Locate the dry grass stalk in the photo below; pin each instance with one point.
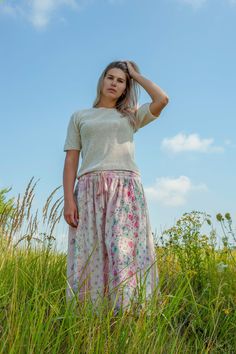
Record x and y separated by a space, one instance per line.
21 216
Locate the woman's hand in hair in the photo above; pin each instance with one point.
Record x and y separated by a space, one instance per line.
131 69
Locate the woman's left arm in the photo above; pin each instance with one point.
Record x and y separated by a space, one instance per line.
159 97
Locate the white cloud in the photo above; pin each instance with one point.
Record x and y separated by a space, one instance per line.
38 12
42 10
191 142
172 191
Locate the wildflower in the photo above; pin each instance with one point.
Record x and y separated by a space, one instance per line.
192 273
226 311
221 266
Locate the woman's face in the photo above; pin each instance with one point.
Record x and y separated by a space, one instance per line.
114 83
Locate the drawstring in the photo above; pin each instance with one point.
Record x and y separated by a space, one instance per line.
102 186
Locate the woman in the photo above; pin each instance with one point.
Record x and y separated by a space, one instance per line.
110 243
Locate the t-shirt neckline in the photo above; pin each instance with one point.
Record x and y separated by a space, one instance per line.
103 108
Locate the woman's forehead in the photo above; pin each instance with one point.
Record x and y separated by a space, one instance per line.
118 73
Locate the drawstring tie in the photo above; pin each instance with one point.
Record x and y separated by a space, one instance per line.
102 186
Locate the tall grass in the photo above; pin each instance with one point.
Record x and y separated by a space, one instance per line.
193 312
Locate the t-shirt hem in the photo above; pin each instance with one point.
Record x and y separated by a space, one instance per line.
79 174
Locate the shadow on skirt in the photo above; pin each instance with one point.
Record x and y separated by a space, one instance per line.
111 252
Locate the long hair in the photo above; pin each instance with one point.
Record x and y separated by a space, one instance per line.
127 103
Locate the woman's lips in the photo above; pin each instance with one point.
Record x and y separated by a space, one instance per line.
112 90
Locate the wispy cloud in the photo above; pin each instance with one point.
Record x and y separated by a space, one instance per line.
38 12
42 10
192 142
172 191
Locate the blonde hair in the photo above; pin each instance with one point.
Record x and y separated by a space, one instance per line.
127 103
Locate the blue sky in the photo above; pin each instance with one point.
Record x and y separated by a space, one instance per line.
52 54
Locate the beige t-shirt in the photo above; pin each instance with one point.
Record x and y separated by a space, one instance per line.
105 138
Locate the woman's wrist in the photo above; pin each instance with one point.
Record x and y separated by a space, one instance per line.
69 199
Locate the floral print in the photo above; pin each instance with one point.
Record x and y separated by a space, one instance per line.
111 252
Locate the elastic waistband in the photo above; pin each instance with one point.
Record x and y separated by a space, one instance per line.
110 173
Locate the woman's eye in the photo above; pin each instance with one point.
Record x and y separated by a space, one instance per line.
110 78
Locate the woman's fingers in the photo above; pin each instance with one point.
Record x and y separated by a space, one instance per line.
72 221
76 217
71 216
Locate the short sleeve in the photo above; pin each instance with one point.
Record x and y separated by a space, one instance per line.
73 138
144 115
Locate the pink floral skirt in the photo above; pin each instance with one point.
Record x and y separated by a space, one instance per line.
111 252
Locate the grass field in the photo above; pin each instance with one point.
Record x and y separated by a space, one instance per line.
193 311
